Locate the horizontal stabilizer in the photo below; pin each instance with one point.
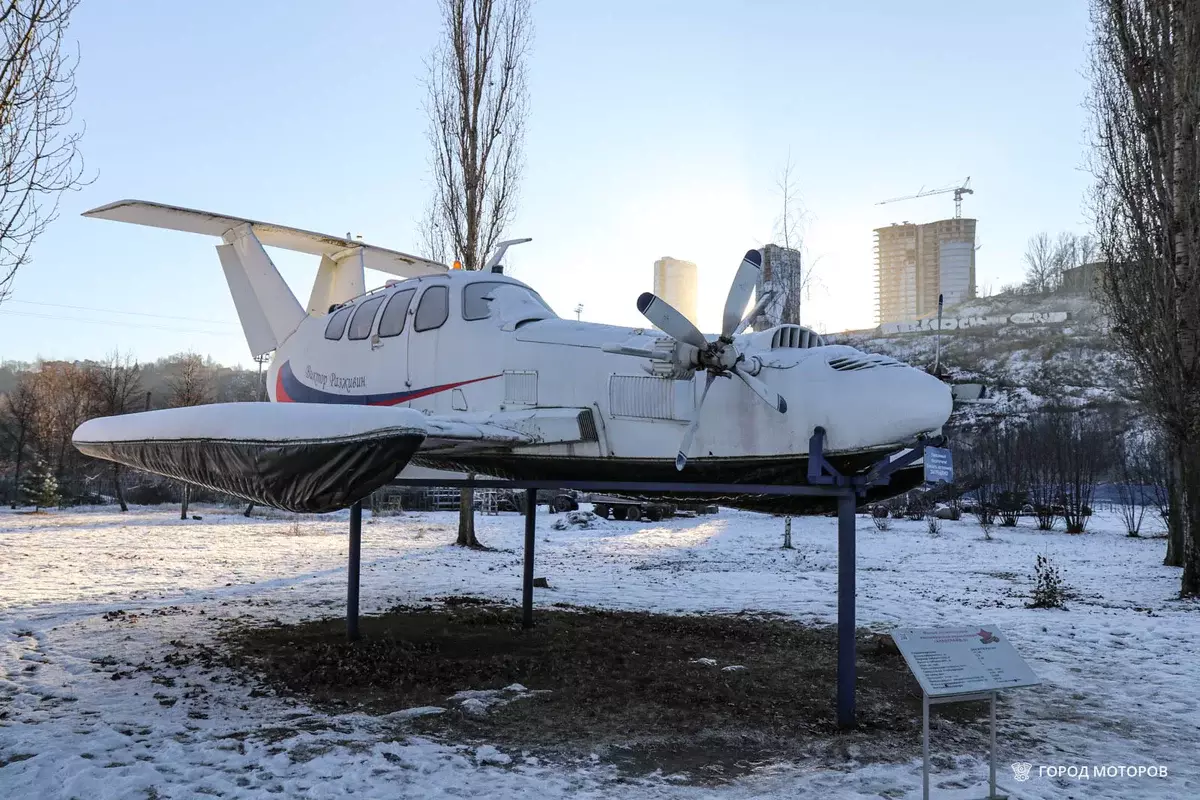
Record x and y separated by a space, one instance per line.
158 215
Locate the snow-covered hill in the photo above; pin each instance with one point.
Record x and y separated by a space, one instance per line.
1024 366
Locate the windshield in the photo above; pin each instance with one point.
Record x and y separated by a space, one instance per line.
478 299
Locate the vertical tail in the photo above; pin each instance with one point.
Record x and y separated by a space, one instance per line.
268 310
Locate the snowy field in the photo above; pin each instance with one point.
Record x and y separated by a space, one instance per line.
79 720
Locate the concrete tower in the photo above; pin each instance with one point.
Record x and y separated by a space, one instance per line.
675 282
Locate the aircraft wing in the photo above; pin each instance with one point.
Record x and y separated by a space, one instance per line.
312 457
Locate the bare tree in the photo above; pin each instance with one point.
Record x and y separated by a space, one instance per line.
19 411
1132 474
1082 455
1145 105
477 105
39 157
190 385
783 271
117 384
1042 267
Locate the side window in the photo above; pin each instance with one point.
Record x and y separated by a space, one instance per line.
395 312
474 306
433 309
337 324
360 326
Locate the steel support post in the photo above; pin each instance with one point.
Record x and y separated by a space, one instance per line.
352 571
527 583
924 746
845 661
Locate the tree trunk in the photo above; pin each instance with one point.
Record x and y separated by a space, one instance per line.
249 508
183 507
117 486
1190 512
466 517
16 490
1175 502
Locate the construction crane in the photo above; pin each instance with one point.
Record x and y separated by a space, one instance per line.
959 190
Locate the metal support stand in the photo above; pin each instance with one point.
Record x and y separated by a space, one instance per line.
958 698
352 571
527 583
824 480
846 674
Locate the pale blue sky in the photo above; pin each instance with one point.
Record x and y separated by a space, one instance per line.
657 128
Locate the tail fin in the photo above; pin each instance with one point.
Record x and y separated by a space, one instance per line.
268 310
266 306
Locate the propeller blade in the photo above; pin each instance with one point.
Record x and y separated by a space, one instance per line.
740 290
754 312
690 433
669 321
769 396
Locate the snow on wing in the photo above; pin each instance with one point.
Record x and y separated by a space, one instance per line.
298 457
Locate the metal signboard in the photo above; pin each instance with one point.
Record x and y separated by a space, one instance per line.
975 658
939 465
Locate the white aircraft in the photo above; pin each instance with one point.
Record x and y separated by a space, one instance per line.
492 381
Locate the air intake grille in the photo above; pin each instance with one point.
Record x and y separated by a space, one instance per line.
862 361
795 336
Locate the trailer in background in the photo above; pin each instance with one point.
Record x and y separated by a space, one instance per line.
634 508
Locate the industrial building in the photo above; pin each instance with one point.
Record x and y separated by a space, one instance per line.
781 274
914 263
675 281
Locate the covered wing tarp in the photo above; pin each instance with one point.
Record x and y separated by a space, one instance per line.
298 457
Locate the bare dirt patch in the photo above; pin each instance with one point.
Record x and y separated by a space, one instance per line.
712 696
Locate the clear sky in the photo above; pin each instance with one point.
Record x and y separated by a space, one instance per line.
657 128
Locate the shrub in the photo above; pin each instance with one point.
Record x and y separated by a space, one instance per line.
881 523
934 524
1049 591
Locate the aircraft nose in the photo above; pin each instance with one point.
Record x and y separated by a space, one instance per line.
924 402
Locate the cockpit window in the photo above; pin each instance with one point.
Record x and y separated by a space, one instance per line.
478 297
360 326
337 323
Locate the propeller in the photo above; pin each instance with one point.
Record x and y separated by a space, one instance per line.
718 358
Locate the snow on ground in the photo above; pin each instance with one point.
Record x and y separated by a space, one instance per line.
78 719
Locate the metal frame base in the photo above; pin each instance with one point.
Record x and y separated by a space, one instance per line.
823 481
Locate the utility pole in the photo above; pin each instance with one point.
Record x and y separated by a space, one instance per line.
578 311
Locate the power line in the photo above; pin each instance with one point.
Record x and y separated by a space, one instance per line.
114 311
116 323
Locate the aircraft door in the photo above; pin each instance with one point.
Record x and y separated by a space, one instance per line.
391 338
431 313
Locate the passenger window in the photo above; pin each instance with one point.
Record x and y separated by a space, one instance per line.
360 326
395 312
433 309
337 324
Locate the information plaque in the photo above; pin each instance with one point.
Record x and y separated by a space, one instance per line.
976 658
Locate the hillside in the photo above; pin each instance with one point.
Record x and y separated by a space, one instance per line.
1023 366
